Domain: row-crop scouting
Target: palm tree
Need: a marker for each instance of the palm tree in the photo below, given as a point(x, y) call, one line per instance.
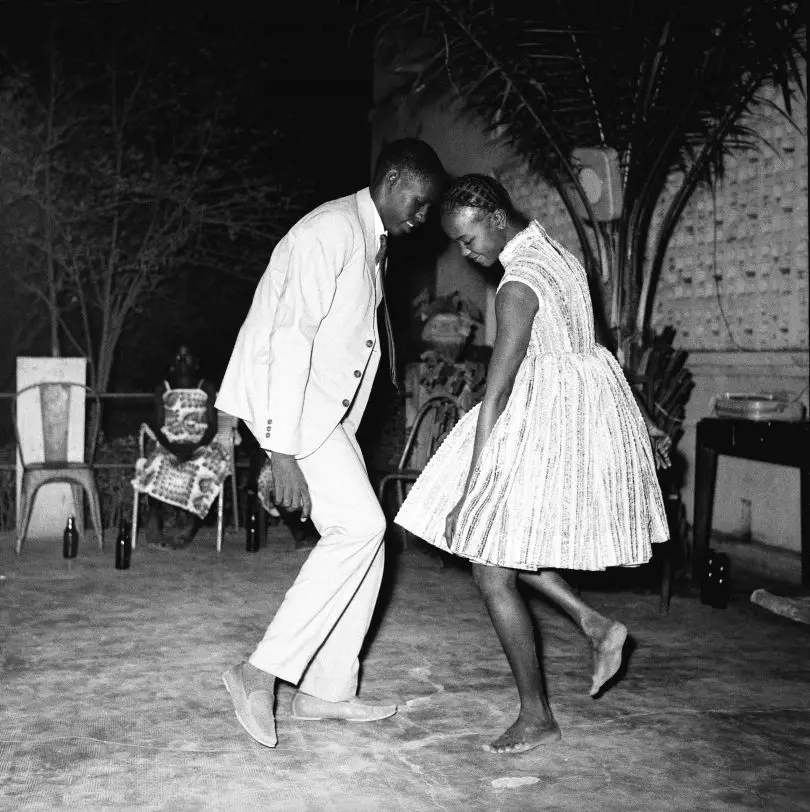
point(666, 87)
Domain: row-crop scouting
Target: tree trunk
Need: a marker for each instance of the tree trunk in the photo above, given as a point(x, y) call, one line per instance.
point(53, 304)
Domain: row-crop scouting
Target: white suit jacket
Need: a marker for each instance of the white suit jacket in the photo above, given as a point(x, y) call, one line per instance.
point(307, 353)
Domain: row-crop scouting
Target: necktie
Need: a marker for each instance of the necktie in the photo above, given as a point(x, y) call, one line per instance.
point(382, 251)
point(381, 264)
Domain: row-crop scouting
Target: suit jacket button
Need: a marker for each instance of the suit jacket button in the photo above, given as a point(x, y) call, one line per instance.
point(345, 403)
point(369, 343)
point(357, 373)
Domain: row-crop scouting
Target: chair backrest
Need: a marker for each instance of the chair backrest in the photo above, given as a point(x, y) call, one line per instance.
point(54, 406)
point(433, 422)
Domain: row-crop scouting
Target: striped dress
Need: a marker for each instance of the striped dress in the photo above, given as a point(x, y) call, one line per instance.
point(567, 478)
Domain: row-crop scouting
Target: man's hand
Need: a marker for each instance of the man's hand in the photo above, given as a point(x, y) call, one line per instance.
point(290, 490)
point(661, 445)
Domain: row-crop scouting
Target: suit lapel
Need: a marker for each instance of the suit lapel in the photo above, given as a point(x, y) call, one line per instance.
point(366, 214)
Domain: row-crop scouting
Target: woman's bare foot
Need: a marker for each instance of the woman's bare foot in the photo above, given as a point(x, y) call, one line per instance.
point(530, 730)
point(608, 647)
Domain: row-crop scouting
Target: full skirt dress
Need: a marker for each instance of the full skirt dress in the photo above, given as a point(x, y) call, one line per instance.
point(566, 479)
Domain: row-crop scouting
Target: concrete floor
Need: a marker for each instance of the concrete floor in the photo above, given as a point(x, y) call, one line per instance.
point(112, 697)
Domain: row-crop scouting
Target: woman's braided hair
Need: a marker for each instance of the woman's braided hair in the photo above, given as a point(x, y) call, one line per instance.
point(476, 192)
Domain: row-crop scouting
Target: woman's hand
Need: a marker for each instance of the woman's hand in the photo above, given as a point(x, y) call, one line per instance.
point(450, 523)
point(661, 446)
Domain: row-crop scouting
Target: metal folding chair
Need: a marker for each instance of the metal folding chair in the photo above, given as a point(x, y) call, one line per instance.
point(228, 436)
point(433, 422)
point(54, 408)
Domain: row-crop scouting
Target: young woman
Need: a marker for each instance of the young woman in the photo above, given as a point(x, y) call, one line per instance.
point(187, 466)
point(555, 469)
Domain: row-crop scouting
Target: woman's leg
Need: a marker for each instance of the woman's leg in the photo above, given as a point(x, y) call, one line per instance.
point(154, 522)
point(188, 523)
point(607, 637)
point(535, 724)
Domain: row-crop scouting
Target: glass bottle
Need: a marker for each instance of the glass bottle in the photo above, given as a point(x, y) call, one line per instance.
point(252, 522)
point(123, 546)
point(716, 588)
point(70, 539)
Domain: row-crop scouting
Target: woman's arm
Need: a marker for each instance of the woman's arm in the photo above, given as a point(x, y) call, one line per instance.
point(515, 308)
point(159, 418)
point(211, 416)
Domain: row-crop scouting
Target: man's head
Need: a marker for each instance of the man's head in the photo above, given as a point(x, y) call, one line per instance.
point(476, 214)
point(408, 180)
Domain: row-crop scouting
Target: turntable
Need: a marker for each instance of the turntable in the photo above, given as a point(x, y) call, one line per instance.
point(764, 406)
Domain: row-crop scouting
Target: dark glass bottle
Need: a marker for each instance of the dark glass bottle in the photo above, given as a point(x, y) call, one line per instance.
point(716, 588)
point(252, 523)
point(70, 539)
point(123, 546)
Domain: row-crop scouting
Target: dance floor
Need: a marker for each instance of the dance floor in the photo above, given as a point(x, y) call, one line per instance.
point(112, 697)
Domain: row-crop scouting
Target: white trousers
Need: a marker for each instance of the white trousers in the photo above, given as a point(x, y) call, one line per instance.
point(315, 637)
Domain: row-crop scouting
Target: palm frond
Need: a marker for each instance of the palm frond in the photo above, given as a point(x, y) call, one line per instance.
point(670, 86)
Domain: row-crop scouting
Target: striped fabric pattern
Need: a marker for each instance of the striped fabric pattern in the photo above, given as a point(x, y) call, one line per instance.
point(567, 477)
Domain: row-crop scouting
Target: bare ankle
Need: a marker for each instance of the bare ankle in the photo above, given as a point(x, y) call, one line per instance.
point(595, 626)
point(537, 709)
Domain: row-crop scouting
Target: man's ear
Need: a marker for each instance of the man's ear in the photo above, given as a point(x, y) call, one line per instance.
point(391, 178)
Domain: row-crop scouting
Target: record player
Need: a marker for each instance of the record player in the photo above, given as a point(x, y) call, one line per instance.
point(764, 406)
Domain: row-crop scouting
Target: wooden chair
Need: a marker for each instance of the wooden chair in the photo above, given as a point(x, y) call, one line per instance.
point(433, 422)
point(54, 406)
point(228, 436)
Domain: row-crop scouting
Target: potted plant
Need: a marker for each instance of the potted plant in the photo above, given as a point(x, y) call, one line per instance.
point(656, 96)
point(448, 323)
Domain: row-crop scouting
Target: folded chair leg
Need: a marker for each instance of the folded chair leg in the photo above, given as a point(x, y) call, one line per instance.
point(220, 511)
point(262, 523)
point(666, 579)
point(135, 494)
point(400, 500)
point(235, 499)
point(672, 505)
point(95, 513)
point(77, 492)
point(27, 496)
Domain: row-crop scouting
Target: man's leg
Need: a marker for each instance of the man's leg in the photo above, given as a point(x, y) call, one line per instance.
point(607, 637)
point(339, 653)
point(336, 587)
point(326, 612)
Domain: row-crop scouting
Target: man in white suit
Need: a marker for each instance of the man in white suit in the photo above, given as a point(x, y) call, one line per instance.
point(300, 376)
